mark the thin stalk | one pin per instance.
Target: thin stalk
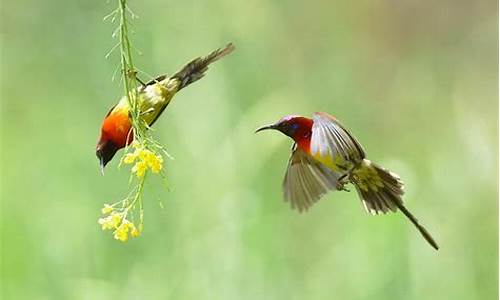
(127, 65)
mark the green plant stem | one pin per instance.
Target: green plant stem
(128, 69)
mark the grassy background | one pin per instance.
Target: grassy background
(415, 81)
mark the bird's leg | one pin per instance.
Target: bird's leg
(341, 187)
(342, 181)
(140, 81)
(133, 74)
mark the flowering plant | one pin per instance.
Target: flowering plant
(126, 217)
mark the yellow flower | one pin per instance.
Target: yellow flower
(105, 223)
(121, 234)
(155, 163)
(111, 221)
(156, 168)
(143, 153)
(144, 159)
(129, 158)
(140, 169)
(106, 209)
(116, 218)
(134, 232)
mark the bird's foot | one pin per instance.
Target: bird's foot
(341, 186)
(133, 74)
(342, 181)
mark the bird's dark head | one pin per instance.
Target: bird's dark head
(105, 151)
(294, 126)
(115, 132)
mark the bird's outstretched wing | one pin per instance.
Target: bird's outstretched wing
(306, 180)
(331, 141)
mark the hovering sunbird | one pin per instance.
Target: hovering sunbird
(153, 97)
(326, 157)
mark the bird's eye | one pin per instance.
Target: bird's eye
(294, 127)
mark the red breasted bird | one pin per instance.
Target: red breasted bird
(325, 157)
(153, 97)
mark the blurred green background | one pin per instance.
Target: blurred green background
(415, 81)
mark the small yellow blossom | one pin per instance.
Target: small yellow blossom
(129, 158)
(121, 233)
(111, 221)
(134, 232)
(143, 154)
(144, 159)
(156, 168)
(155, 163)
(140, 169)
(105, 223)
(106, 209)
(116, 218)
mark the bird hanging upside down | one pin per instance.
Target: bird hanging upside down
(153, 97)
(326, 157)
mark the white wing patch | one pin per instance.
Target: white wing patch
(332, 143)
(306, 180)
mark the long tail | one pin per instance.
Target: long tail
(196, 69)
(381, 191)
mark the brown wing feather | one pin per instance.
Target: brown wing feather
(307, 180)
(330, 138)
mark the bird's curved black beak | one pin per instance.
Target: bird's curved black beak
(105, 152)
(271, 126)
(102, 164)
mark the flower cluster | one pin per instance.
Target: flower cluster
(115, 215)
(144, 159)
(116, 220)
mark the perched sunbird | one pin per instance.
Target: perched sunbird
(153, 97)
(325, 157)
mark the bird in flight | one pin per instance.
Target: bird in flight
(153, 97)
(325, 157)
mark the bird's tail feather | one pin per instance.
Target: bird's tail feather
(381, 191)
(196, 69)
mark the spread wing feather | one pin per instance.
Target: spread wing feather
(306, 180)
(330, 139)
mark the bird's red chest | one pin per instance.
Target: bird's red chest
(117, 128)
